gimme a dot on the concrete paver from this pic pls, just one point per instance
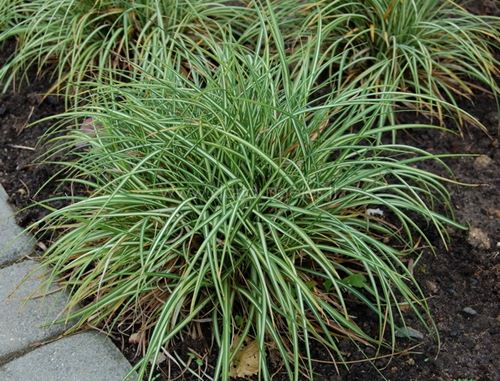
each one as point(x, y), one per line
point(87, 356)
point(23, 319)
point(13, 244)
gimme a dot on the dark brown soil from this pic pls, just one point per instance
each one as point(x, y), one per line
point(24, 179)
point(483, 7)
point(462, 282)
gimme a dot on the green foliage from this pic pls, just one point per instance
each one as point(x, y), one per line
point(433, 49)
point(234, 197)
point(88, 39)
point(234, 165)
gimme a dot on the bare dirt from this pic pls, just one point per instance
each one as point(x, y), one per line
point(462, 282)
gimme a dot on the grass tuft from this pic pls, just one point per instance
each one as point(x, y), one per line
point(236, 170)
point(436, 50)
point(92, 40)
point(235, 200)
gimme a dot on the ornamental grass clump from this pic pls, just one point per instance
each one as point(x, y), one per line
point(436, 50)
point(242, 206)
point(92, 40)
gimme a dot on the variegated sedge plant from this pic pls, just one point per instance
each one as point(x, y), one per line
point(240, 199)
point(93, 40)
point(436, 50)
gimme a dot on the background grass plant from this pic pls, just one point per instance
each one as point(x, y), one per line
point(93, 39)
point(88, 40)
point(436, 50)
point(233, 203)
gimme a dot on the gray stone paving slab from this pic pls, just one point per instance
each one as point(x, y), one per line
point(23, 319)
point(88, 356)
point(13, 243)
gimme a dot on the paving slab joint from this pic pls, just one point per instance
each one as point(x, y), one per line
point(20, 353)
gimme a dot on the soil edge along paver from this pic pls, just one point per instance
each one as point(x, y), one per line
point(87, 356)
point(14, 244)
point(31, 347)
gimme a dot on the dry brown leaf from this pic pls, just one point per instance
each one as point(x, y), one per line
point(136, 338)
point(246, 361)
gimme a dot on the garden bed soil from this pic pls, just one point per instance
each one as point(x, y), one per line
point(462, 282)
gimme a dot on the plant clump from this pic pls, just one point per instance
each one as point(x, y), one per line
point(435, 50)
point(93, 40)
point(236, 169)
point(242, 204)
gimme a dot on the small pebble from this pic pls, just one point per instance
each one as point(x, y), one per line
point(408, 332)
point(470, 311)
point(493, 212)
point(452, 291)
point(479, 239)
point(493, 117)
point(433, 287)
point(52, 100)
point(34, 98)
point(482, 162)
